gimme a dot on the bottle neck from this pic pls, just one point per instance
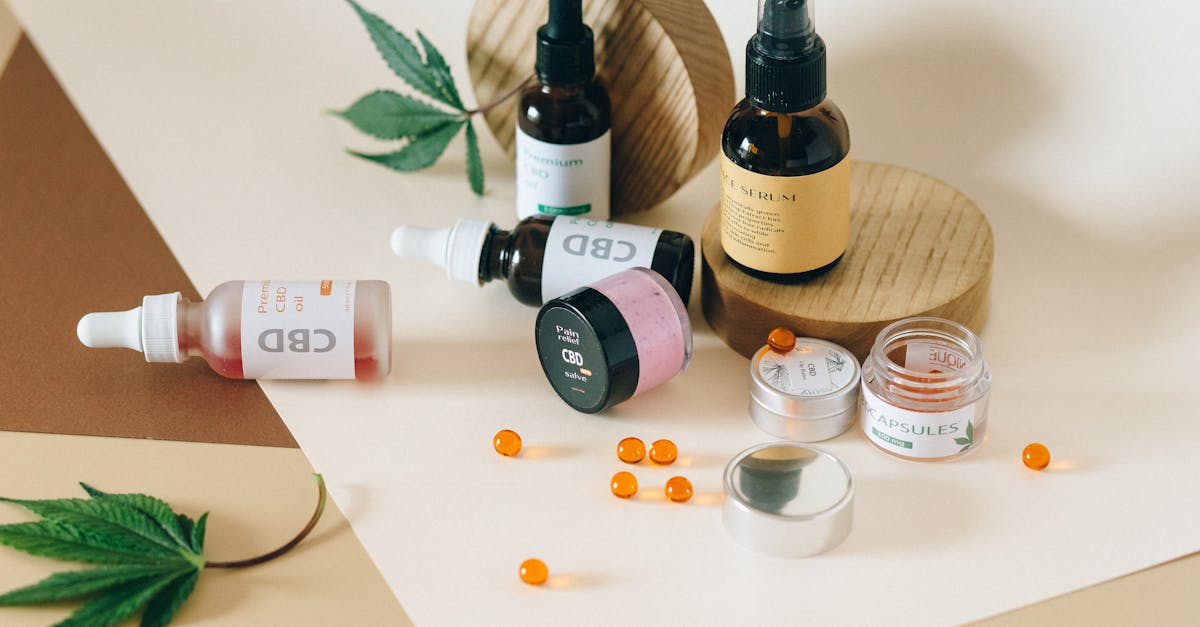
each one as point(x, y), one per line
point(189, 320)
point(497, 258)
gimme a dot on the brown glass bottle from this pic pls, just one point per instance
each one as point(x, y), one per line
point(786, 144)
point(520, 256)
point(563, 120)
point(785, 210)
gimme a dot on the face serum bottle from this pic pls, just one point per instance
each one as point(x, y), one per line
point(260, 329)
point(542, 258)
point(785, 166)
point(563, 138)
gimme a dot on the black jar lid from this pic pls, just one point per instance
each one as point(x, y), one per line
point(587, 350)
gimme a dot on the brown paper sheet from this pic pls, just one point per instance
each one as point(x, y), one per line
point(73, 239)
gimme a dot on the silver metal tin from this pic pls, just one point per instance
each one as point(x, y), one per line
point(807, 395)
point(788, 499)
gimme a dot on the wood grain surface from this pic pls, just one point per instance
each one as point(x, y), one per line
point(917, 247)
point(666, 69)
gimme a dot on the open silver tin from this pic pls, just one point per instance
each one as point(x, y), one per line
point(808, 394)
point(788, 499)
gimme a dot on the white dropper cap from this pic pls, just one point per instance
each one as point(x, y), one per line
point(458, 249)
point(151, 329)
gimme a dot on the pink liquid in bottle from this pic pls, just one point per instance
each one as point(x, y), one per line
point(261, 329)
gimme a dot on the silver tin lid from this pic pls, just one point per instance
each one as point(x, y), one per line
point(788, 499)
point(808, 394)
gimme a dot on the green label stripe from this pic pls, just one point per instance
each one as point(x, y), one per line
point(890, 440)
point(564, 211)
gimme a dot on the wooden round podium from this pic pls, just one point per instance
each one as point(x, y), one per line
point(918, 247)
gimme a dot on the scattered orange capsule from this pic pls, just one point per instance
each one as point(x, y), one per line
point(781, 340)
point(507, 442)
point(663, 452)
point(631, 450)
point(534, 572)
point(679, 489)
point(1036, 456)
point(624, 484)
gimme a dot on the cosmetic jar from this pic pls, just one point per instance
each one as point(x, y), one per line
point(807, 394)
point(925, 390)
point(613, 339)
point(788, 499)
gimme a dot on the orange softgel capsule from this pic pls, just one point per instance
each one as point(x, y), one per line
point(678, 489)
point(624, 484)
point(663, 452)
point(507, 442)
point(781, 340)
point(534, 572)
point(631, 450)
point(1036, 456)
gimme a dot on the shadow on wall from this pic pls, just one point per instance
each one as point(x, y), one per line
point(948, 94)
point(938, 94)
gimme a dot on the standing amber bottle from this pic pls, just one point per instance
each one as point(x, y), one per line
point(563, 120)
point(785, 167)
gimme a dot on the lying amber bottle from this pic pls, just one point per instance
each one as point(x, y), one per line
point(542, 258)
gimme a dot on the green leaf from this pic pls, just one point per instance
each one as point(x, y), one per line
point(400, 54)
point(156, 509)
point(80, 583)
point(962, 440)
point(441, 72)
point(117, 525)
point(389, 115)
point(118, 603)
point(198, 534)
point(474, 162)
point(964, 448)
point(420, 152)
point(971, 431)
point(163, 606)
point(58, 541)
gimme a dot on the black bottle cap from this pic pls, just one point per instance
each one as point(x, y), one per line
point(565, 51)
point(587, 350)
point(785, 60)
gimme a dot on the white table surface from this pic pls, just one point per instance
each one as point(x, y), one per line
point(1073, 124)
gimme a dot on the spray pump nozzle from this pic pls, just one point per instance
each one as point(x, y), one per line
point(785, 28)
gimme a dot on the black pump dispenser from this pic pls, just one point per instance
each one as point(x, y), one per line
point(785, 60)
point(565, 52)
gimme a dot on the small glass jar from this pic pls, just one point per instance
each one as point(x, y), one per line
point(925, 390)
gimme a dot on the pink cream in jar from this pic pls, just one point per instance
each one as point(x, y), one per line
point(613, 339)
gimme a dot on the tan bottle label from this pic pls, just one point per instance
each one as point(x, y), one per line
point(785, 224)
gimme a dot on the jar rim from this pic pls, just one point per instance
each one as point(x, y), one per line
point(927, 326)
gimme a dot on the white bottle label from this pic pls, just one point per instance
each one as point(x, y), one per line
point(920, 434)
point(580, 251)
point(563, 179)
point(298, 330)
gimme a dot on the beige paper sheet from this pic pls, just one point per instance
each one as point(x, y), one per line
point(257, 499)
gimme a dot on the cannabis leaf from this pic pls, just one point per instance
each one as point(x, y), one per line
point(150, 556)
point(425, 128)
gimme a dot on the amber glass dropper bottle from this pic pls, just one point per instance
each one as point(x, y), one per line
point(563, 119)
point(785, 167)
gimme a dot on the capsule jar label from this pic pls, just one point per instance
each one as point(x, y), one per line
point(924, 434)
point(298, 329)
point(563, 179)
point(785, 224)
point(581, 250)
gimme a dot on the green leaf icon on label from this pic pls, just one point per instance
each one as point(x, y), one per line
point(969, 440)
